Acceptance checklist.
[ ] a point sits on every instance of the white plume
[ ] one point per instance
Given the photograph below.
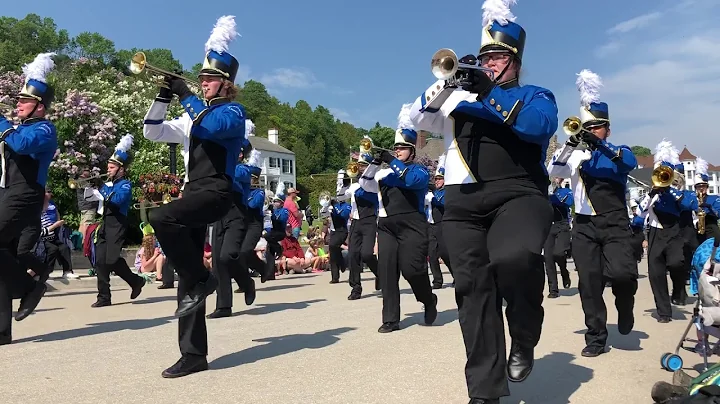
(701, 166)
(222, 34)
(498, 10)
(404, 121)
(249, 128)
(634, 194)
(441, 161)
(588, 83)
(125, 143)
(280, 189)
(255, 158)
(665, 151)
(39, 68)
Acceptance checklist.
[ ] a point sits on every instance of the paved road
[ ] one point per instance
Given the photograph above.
(303, 342)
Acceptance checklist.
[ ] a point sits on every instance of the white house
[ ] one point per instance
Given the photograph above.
(278, 162)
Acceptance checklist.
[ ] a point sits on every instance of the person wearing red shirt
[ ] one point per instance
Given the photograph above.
(292, 252)
(295, 216)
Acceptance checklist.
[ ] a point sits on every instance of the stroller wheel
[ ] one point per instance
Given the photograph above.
(671, 362)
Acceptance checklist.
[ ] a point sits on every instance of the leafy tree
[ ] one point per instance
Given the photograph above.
(91, 45)
(640, 151)
(382, 136)
(158, 57)
(22, 40)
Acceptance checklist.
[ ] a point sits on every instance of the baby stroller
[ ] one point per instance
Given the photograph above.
(705, 284)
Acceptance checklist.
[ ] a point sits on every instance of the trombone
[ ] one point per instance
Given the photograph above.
(367, 146)
(139, 64)
(444, 64)
(166, 198)
(86, 182)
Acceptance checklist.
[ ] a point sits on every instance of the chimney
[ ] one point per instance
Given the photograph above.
(422, 139)
(273, 135)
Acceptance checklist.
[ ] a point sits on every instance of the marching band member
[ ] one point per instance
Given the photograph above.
(601, 234)
(688, 232)
(276, 232)
(496, 135)
(114, 199)
(339, 215)
(216, 130)
(402, 228)
(662, 206)
(709, 205)
(436, 243)
(363, 231)
(558, 240)
(228, 237)
(254, 219)
(25, 155)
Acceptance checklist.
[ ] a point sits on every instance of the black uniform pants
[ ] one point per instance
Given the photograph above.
(273, 251)
(601, 250)
(248, 258)
(228, 236)
(57, 251)
(20, 207)
(556, 246)
(180, 228)
(363, 233)
(711, 230)
(402, 246)
(496, 247)
(104, 268)
(665, 254)
(638, 236)
(436, 250)
(337, 239)
(26, 244)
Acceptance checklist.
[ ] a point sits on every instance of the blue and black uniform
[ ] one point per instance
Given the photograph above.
(274, 235)
(249, 260)
(558, 241)
(339, 216)
(116, 197)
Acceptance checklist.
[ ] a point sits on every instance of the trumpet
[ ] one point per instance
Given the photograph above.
(139, 64)
(662, 177)
(445, 64)
(353, 169)
(166, 198)
(367, 146)
(86, 182)
(573, 126)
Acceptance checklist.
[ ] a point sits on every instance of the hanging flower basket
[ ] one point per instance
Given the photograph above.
(155, 186)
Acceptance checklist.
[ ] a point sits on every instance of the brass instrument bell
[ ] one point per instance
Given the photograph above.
(662, 177)
(353, 169)
(324, 199)
(367, 146)
(86, 182)
(139, 64)
(572, 126)
(444, 64)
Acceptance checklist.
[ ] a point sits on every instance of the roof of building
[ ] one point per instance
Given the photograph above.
(685, 155)
(263, 144)
(433, 148)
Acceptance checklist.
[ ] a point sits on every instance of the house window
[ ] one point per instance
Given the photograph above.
(287, 166)
(274, 162)
(273, 185)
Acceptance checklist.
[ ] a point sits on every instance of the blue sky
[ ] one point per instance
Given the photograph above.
(660, 60)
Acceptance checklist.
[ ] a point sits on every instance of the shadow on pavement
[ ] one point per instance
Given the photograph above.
(444, 317)
(276, 307)
(553, 380)
(630, 342)
(282, 287)
(278, 346)
(99, 328)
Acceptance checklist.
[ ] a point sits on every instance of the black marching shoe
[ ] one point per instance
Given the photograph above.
(5, 339)
(355, 295)
(30, 301)
(664, 319)
(484, 401)
(334, 281)
(566, 283)
(437, 286)
(592, 351)
(377, 283)
(187, 364)
(137, 289)
(250, 292)
(553, 295)
(520, 363)
(626, 321)
(101, 303)
(388, 327)
(220, 313)
(166, 286)
(431, 311)
(193, 299)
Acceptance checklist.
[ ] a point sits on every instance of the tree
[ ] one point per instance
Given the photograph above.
(22, 40)
(641, 151)
(91, 45)
(552, 147)
(382, 136)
